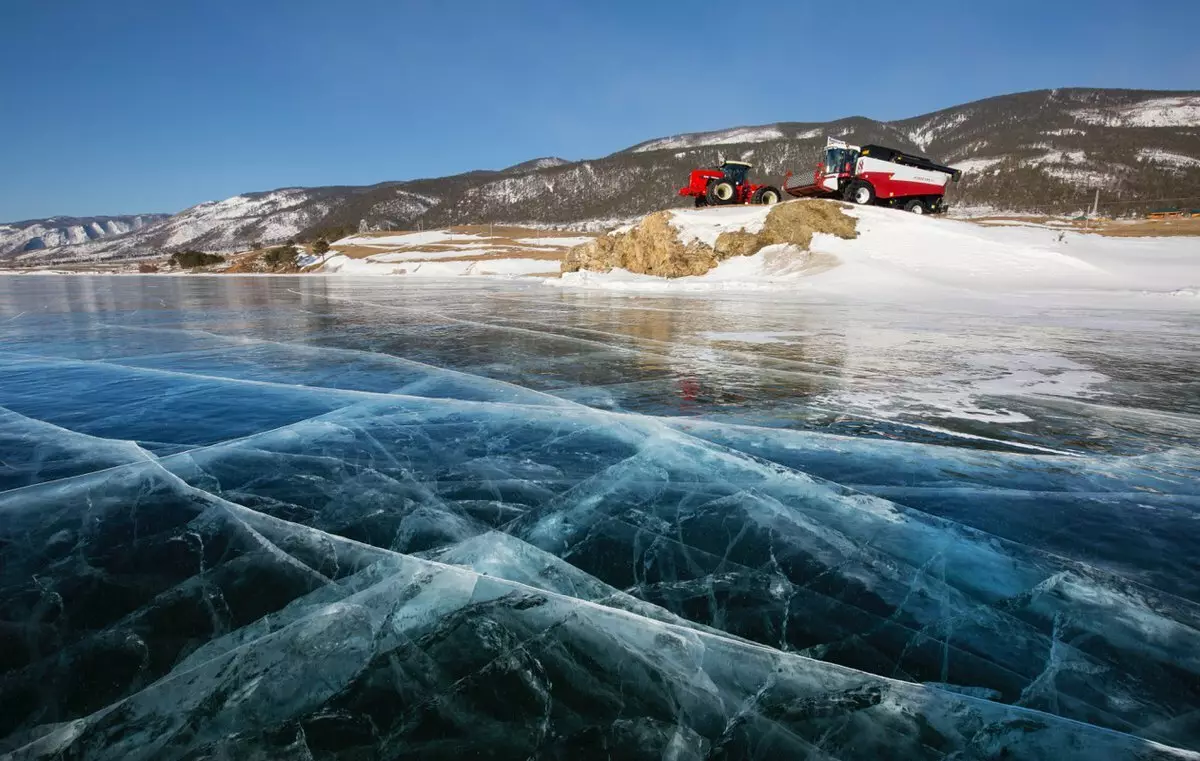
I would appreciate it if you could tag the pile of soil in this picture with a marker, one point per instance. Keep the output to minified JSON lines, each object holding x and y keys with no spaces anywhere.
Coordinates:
{"x":653,"y":246}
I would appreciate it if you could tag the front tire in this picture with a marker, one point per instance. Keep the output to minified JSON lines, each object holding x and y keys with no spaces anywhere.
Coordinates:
{"x":766,"y":195}
{"x":916,"y":206}
{"x":721,"y":192}
{"x":861,"y":193}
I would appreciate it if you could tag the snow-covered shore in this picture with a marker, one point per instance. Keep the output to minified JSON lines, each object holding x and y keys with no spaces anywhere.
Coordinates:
{"x":898,"y":255}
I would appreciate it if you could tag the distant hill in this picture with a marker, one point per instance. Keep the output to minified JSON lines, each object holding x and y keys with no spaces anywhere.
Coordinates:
{"x":33,"y":235}
{"x":546,"y":162}
{"x":1043,"y":151}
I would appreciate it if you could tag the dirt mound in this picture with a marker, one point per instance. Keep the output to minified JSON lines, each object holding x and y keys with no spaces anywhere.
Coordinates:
{"x":653,"y":247}
{"x":796,"y":222}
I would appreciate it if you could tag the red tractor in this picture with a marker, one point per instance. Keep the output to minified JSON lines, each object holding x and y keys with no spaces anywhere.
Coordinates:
{"x":727,"y":185}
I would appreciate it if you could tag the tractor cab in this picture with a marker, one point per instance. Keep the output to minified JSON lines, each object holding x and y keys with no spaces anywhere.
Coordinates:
{"x":735,"y":171}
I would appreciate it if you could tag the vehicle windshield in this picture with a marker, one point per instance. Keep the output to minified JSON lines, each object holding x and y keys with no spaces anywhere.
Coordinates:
{"x":840,"y":160}
{"x":736,"y":172}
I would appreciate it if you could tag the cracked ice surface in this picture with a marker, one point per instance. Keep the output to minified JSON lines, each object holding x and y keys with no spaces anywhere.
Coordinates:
{"x":291,"y":518}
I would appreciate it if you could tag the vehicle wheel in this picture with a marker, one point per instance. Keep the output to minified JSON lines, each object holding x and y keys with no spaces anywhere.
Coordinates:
{"x":766,"y":195}
{"x":916,"y":206}
{"x":701,"y":202}
{"x":721,"y":192}
{"x":861,"y":193}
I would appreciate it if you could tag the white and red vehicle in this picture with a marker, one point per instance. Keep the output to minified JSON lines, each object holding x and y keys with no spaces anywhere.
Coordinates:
{"x":874,"y":174}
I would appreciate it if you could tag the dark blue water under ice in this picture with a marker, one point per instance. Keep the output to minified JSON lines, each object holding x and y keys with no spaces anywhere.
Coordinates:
{"x":277,"y":518}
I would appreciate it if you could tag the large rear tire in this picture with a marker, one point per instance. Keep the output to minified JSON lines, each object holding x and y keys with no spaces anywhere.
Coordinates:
{"x":701,"y":202}
{"x":916,"y":206}
{"x":860,"y":192}
{"x":721,"y":192}
{"x":766,"y":195}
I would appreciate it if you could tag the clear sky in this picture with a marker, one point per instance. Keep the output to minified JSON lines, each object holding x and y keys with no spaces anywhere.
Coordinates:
{"x":120,"y":106}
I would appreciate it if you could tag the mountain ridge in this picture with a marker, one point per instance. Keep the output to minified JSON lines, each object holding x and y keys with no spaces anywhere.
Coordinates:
{"x":1037,"y":151}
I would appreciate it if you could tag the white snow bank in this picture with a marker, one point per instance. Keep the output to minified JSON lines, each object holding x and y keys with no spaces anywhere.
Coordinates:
{"x":556,"y":242}
{"x":900,"y":256}
{"x":706,"y":224}
{"x":428,"y":255}
{"x":408,"y":239}
{"x":344,"y":265}
{"x":895,"y":247}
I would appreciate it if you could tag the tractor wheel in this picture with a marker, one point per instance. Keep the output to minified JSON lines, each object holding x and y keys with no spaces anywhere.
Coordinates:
{"x":860,"y":192}
{"x":916,"y":206}
{"x":766,"y":195}
{"x":701,"y":202}
{"x":721,"y":192}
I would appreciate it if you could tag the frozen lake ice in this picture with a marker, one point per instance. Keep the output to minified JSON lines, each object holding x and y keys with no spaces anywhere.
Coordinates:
{"x":304,"y":517}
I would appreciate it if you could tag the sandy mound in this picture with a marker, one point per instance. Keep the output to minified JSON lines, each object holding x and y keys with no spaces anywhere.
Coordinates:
{"x":654,"y":247}
{"x":651,"y":248}
{"x":796,"y":221}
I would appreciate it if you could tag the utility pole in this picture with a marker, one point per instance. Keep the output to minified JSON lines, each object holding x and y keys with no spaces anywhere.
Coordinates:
{"x":1096,"y":203}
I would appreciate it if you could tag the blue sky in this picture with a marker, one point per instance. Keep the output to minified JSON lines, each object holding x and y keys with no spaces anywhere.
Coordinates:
{"x":148,"y":105}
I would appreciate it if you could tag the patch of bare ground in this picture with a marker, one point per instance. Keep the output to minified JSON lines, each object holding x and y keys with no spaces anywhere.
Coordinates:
{"x":1151,"y":228}
{"x":420,"y":254}
{"x":488,"y":243}
{"x":1114,"y":228}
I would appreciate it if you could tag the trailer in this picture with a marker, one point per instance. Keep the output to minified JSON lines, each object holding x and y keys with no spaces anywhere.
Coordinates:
{"x":876,"y":174}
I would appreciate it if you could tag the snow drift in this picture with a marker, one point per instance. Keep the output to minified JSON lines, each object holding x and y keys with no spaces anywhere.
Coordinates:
{"x":883,"y":253}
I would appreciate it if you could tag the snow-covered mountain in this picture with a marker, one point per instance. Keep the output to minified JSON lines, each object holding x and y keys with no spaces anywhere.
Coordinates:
{"x":546,"y":162}
{"x":738,"y":135}
{"x":1047,"y":151}
{"x":38,"y":234}
{"x":232,"y":224}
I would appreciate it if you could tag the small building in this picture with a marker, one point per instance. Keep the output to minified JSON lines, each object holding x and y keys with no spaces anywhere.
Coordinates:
{"x":1165,"y":214}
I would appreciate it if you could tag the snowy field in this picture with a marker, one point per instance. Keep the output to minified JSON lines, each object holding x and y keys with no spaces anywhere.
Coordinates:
{"x":894,"y":508}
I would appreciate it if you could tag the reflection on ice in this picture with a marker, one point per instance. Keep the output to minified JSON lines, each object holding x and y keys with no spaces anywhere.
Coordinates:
{"x":266,"y":523}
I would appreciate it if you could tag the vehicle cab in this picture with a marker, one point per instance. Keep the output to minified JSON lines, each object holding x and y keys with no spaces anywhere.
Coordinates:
{"x":839,"y":161}
{"x":735,"y":171}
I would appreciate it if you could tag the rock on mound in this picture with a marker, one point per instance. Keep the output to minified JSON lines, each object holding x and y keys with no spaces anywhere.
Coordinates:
{"x":656,"y":246}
